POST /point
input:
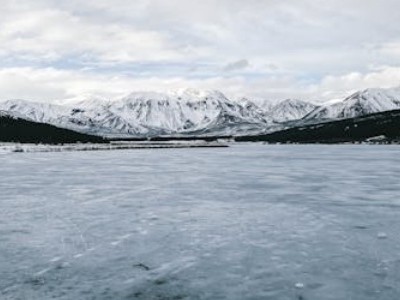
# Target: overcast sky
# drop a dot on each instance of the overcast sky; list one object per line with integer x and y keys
{"x": 307, "y": 49}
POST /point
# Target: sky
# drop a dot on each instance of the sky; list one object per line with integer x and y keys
{"x": 315, "y": 50}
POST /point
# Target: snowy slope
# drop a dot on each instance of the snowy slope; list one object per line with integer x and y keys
{"x": 266, "y": 104}
{"x": 6, "y": 114}
{"x": 290, "y": 110}
{"x": 359, "y": 104}
{"x": 58, "y": 115}
{"x": 39, "y": 112}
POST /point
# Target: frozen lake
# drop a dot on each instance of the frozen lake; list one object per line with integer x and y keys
{"x": 246, "y": 222}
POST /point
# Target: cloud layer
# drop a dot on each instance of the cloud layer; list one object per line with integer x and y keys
{"x": 311, "y": 49}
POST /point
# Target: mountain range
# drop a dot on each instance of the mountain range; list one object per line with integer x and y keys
{"x": 193, "y": 112}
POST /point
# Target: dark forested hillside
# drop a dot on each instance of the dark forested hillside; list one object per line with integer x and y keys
{"x": 348, "y": 130}
{"x": 19, "y": 130}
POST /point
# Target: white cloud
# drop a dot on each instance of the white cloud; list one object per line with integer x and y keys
{"x": 316, "y": 49}
{"x": 236, "y": 65}
{"x": 391, "y": 49}
{"x": 54, "y": 34}
{"x": 50, "y": 84}
{"x": 339, "y": 86}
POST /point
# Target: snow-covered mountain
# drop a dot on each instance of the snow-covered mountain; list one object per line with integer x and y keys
{"x": 147, "y": 113}
{"x": 359, "y": 104}
{"x": 280, "y": 111}
{"x": 184, "y": 111}
{"x": 193, "y": 112}
{"x": 290, "y": 110}
{"x": 58, "y": 115}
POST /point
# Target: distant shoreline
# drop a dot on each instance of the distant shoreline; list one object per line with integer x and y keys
{"x": 34, "y": 148}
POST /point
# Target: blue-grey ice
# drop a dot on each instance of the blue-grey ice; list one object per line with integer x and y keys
{"x": 246, "y": 222}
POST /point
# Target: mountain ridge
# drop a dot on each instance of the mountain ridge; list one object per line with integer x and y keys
{"x": 360, "y": 103}
{"x": 194, "y": 112}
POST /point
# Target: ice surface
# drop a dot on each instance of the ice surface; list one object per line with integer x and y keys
{"x": 246, "y": 222}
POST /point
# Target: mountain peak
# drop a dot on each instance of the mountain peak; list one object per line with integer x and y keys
{"x": 360, "y": 103}
{"x": 145, "y": 95}
{"x": 84, "y": 101}
{"x": 195, "y": 94}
